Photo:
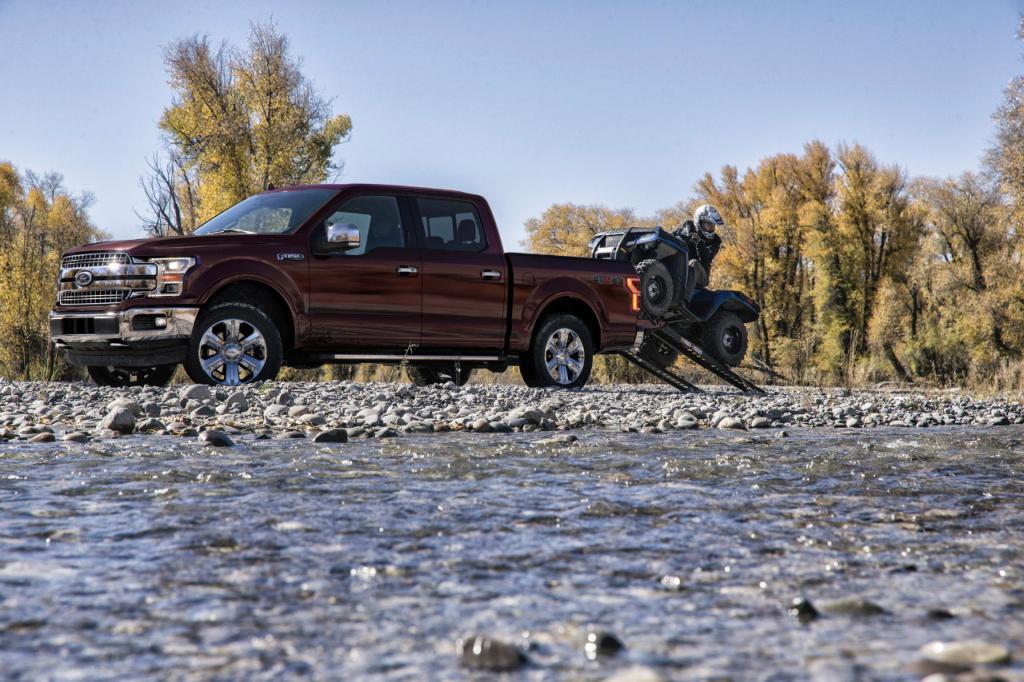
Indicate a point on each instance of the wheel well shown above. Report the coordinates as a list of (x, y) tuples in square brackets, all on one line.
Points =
[(573, 306), (263, 297)]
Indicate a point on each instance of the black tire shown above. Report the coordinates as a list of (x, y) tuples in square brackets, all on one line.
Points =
[(725, 337), (657, 290), (258, 361), (657, 352), (564, 340), (131, 376), (426, 375), (527, 371)]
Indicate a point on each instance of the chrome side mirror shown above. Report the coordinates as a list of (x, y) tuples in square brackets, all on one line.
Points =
[(342, 236)]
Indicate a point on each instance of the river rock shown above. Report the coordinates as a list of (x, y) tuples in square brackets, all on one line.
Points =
[(119, 419), (599, 644), (196, 392), (43, 437), (852, 606), (484, 653), (331, 436), (731, 423), (803, 610), (215, 438), (75, 437), (561, 439), (965, 653)]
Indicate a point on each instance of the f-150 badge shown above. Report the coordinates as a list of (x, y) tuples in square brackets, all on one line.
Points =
[(291, 256)]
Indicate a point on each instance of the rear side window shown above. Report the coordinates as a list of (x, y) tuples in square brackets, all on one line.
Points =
[(450, 225)]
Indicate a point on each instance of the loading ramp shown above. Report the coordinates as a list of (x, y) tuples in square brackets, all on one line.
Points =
[(694, 354)]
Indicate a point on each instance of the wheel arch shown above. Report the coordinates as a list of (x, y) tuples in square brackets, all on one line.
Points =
[(573, 305), (261, 294)]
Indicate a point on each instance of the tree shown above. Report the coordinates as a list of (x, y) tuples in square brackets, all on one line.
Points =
[(240, 120), (39, 220), (566, 229)]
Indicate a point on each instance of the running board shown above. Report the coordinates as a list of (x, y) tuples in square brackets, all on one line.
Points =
[(698, 356), (362, 357), (663, 373)]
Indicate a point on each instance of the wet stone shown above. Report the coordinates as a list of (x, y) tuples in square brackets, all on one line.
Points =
[(562, 439), (119, 419), (483, 653), (216, 438), (44, 437), (803, 610), (600, 644), (731, 423), (75, 437), (292, 434), (965, 653), (852, 606), (331, 436)]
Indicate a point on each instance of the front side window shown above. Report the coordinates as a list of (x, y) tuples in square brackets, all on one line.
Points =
[(451, 225), (278, 212), (378, 220)]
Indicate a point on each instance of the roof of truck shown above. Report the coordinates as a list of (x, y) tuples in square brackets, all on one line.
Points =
[(380, 188)]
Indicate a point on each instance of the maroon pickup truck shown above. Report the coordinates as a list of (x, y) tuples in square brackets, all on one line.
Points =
[(303, 276)]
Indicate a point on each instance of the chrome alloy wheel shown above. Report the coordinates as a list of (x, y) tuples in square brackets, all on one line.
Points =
[(564, 356), (232, 352)]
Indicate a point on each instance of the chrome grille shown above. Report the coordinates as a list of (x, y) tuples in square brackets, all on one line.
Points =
[(92, 296), (92, 260)]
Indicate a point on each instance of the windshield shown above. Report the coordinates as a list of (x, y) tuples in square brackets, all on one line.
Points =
[(272, 213)]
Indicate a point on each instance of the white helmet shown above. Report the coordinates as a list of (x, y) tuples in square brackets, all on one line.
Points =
[(706, 213)]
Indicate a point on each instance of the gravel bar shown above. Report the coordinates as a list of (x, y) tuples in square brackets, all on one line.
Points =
[(338, 411)]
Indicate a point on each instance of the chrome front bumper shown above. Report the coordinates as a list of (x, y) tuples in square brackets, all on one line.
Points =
[(122, 327)]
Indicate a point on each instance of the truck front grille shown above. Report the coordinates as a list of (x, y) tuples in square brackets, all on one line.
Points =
[(92, 260), (103, 278), (92, 296)]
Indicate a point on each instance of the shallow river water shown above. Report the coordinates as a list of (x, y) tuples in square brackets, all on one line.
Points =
[(157, 557)]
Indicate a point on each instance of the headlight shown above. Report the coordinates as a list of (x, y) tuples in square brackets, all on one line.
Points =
[(170, 274)]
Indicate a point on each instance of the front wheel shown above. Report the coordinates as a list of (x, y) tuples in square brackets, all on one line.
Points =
[(725, 337), (561, 354), (427, 375), (232, 344), (131, 376)]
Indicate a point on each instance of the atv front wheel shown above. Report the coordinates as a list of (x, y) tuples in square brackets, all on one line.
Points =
[(725, 337)]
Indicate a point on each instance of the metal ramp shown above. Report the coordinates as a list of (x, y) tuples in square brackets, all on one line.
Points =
[(663, 373), (697, 356)]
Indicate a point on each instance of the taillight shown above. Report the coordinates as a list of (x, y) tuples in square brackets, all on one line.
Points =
[(633, 284)]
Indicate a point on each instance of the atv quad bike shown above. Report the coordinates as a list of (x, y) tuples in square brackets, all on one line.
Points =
[(714, 320)]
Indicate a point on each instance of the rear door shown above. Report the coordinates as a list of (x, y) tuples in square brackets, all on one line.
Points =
[(465, 278), (367, 297)]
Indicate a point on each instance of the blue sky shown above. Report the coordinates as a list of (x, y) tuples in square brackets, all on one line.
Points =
[(527, 103)]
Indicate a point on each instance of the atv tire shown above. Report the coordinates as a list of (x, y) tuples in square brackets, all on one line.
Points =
[(725, 337), (657, 290)]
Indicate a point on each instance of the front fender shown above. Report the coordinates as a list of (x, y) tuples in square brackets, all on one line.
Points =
[(706, 302), (241, 270)]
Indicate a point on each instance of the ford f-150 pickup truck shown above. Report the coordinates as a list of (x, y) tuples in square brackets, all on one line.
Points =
[(303, 276)]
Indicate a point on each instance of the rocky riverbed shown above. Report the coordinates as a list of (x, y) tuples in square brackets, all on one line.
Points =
[(339, 411)]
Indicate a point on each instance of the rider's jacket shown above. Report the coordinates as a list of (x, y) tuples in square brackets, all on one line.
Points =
[(701, 246)]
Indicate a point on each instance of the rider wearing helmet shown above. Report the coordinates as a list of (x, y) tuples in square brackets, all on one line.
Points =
[(699, 236)]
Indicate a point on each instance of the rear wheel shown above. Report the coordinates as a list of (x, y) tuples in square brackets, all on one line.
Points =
[(561, 354), (725, 337), (426, 375), (131, 376), (657, 290), (232, 344)]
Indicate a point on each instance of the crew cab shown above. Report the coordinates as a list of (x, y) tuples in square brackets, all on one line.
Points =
[(307, 275)]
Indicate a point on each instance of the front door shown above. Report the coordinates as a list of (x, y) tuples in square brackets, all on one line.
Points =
[(368, 297)]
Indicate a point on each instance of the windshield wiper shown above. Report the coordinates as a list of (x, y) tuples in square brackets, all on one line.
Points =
[(233, 229)]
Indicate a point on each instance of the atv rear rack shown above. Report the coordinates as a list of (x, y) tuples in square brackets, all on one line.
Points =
[(694, 354)]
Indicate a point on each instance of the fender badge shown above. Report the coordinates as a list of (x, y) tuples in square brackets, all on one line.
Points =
[(291, 256)]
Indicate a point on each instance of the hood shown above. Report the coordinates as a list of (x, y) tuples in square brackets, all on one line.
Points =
[(174, 246)]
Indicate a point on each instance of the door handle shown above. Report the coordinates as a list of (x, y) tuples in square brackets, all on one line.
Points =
[(490, 274), (407, 270)]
